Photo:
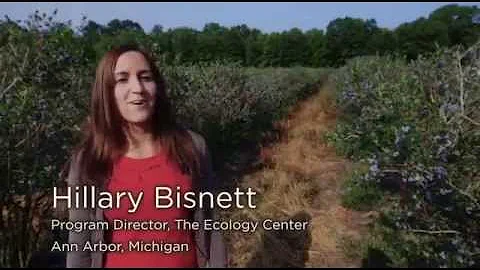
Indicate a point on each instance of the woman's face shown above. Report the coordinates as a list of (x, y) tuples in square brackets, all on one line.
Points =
[(135, 87)]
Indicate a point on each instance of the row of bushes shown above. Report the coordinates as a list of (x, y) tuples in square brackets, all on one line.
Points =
[(416, 127), (230, 104)]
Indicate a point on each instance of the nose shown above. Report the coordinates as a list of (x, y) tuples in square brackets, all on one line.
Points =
[(137, 86)]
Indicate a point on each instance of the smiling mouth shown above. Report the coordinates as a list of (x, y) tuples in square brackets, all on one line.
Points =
[(138, 102)]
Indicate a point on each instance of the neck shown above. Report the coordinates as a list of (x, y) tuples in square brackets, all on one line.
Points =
[(141, 141)]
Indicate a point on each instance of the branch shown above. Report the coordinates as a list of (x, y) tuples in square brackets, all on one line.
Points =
[(464, 193), (474, 46), (12, 49), (464, 117), (351, 136), (462, 90), (435, 232), (25, 59), (470, 120), (8, 87), (37, 130)]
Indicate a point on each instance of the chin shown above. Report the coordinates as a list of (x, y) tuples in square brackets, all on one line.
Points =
[(141, 119)]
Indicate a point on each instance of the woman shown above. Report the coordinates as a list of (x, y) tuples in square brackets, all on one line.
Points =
[(132, 143)]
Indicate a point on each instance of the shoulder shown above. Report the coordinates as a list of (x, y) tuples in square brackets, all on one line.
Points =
[(73, 177)]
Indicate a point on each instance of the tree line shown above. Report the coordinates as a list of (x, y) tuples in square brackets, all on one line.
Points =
[(342, 39)]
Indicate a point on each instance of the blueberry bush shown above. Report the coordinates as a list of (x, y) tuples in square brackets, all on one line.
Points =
[(231, 104), (416, 127)]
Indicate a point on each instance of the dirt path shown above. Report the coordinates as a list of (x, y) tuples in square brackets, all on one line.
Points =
[(302, 180)]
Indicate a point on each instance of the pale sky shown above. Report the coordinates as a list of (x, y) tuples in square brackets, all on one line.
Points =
[(267, 17)]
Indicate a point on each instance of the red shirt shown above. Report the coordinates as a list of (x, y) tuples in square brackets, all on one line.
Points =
[(145, 174)]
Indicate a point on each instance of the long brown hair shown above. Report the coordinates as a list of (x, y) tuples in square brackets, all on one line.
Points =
[(103, 137)]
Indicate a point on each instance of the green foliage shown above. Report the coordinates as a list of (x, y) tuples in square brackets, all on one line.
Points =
[(417, 126), (461, 28), (347, 38), (43, 91), (230, 104), (343, 39), (362, 196), (421, 36), (44, 83)]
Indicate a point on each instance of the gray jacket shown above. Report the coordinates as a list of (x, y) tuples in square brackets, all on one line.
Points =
[(211, 249)]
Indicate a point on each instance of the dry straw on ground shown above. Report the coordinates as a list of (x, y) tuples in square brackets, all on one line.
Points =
[(301, 180)]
